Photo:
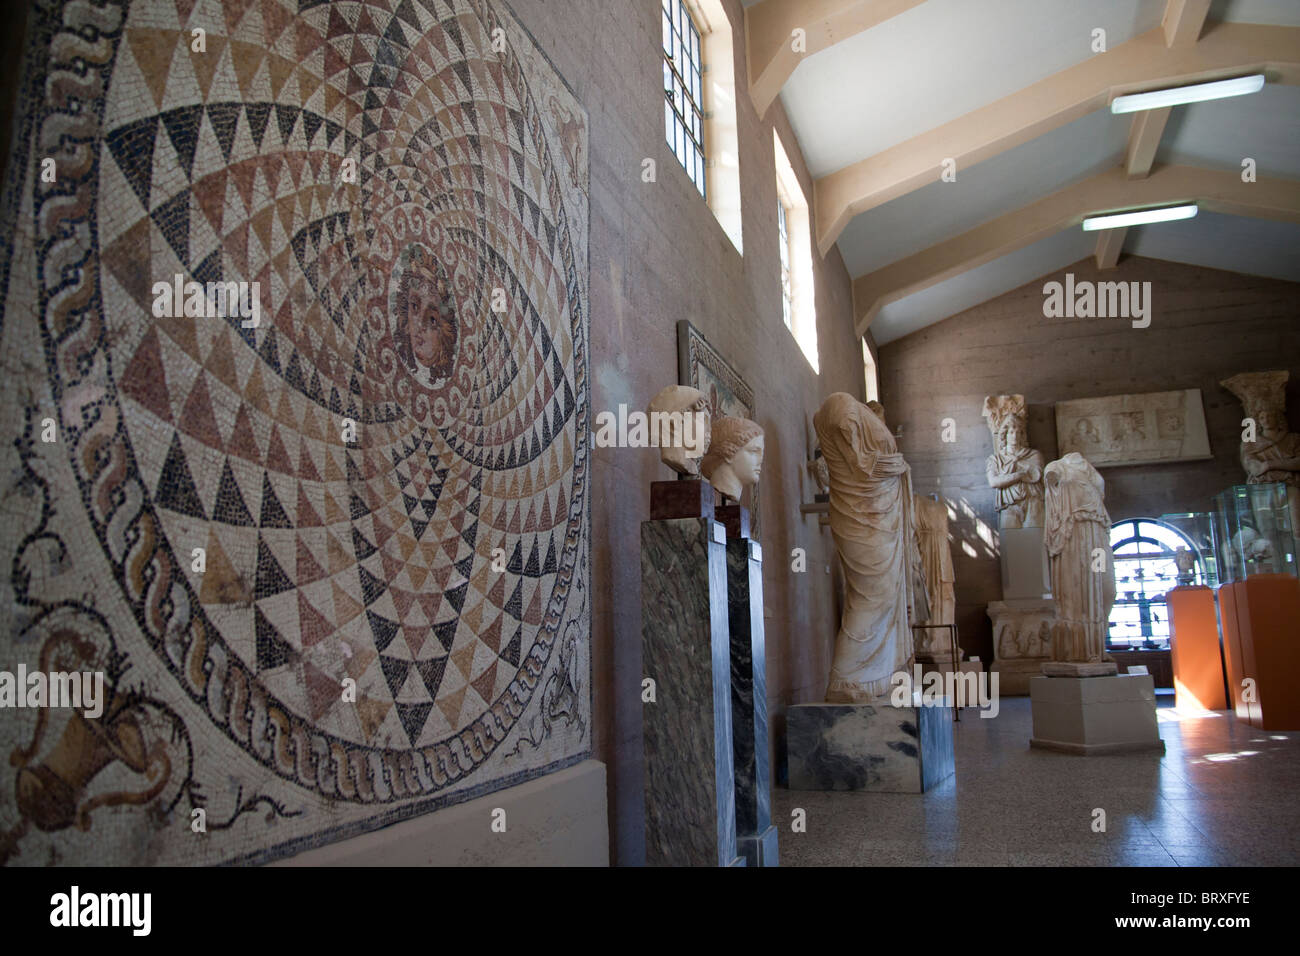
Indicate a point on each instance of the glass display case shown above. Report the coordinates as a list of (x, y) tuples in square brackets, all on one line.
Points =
[(1198, 530), (1253, 530)]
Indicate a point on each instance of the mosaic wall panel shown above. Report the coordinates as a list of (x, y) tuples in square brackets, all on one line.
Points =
[(382, 484)]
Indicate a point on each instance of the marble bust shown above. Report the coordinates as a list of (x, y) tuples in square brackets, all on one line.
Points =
[(735, 456), (1185, 561), (679, 423), (1274, 455), (874, 532), (1077, 538), (1014, 470)]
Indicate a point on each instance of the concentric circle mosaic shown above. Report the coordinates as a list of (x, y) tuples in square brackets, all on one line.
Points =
[(347, 519)]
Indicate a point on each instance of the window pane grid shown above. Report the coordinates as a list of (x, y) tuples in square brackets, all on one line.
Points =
[(683, 117), (1144, 571)]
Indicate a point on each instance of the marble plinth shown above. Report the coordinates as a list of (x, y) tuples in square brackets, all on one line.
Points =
[(749, 700), (869, 746), (690, 809), (1024, 564), (1080, 669), (1022, 641), (1095, 715)]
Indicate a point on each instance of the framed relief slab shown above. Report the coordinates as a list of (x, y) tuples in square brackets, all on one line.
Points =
[(701, 366), (1140, 429)]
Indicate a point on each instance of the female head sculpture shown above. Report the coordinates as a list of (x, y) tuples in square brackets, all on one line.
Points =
[(735, 455), (679, 425)]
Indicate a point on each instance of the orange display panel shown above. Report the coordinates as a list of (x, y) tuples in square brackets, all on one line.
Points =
[(1194, 649), (1264, 623)]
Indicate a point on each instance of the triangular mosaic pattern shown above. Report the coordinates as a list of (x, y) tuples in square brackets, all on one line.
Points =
[(298, 515)]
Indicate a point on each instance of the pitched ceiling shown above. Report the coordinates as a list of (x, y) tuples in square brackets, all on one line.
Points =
[(1013, 91)]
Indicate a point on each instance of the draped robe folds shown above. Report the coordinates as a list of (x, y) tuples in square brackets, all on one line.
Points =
[(1264, 450), (1024, 499), (936, 559), (872, 523), (1077, 525)]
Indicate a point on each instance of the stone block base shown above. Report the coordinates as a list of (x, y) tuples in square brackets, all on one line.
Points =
[(1077, 669), (1022, 641), (1095, 715), (869, 746)]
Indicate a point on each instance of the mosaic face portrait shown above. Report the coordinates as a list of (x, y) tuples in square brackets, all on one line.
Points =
[(424, 317)]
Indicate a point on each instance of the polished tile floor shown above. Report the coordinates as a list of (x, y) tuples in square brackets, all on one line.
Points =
[(1224, 794)]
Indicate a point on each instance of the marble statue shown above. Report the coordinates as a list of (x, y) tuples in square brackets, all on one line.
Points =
[(873, 528), (1015, 471), (1274, 455), (817, 472), (679, 422), (936, 560), (735, 456), (1077, 539), (1185, 561)]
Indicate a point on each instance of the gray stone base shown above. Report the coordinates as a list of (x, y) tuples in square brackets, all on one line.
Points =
[(869, 746), (1076, 669), (1095, 715), (760, 850), (1014, 676), (1022, 641)]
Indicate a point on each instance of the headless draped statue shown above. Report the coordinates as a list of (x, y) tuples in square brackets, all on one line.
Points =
[(936, 561), (872, 524), (1077, 538)]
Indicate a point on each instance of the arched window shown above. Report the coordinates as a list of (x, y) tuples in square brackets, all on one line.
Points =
[(1144, 570)]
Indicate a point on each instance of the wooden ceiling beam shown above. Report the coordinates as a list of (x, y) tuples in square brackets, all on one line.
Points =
[(1183, 21), (1111, 191), (770, 36), (1141, 64), (1110, 242)]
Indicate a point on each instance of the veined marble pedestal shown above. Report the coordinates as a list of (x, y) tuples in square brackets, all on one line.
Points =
[(1095, 715), (755, 835), (1022, 641), (690, 808), (869, 746)]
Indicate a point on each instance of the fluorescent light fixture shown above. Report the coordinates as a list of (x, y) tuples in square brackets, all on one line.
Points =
[(1196, 93), (1138, 217)]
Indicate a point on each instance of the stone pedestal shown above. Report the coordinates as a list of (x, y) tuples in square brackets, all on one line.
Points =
[(869, 746), (755, 835), (1095, 715), (1024, 564), (1022, 641), (690, 809)]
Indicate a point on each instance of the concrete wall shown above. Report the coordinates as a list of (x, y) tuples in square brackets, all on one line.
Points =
[(659, 255), (1206, 325)]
